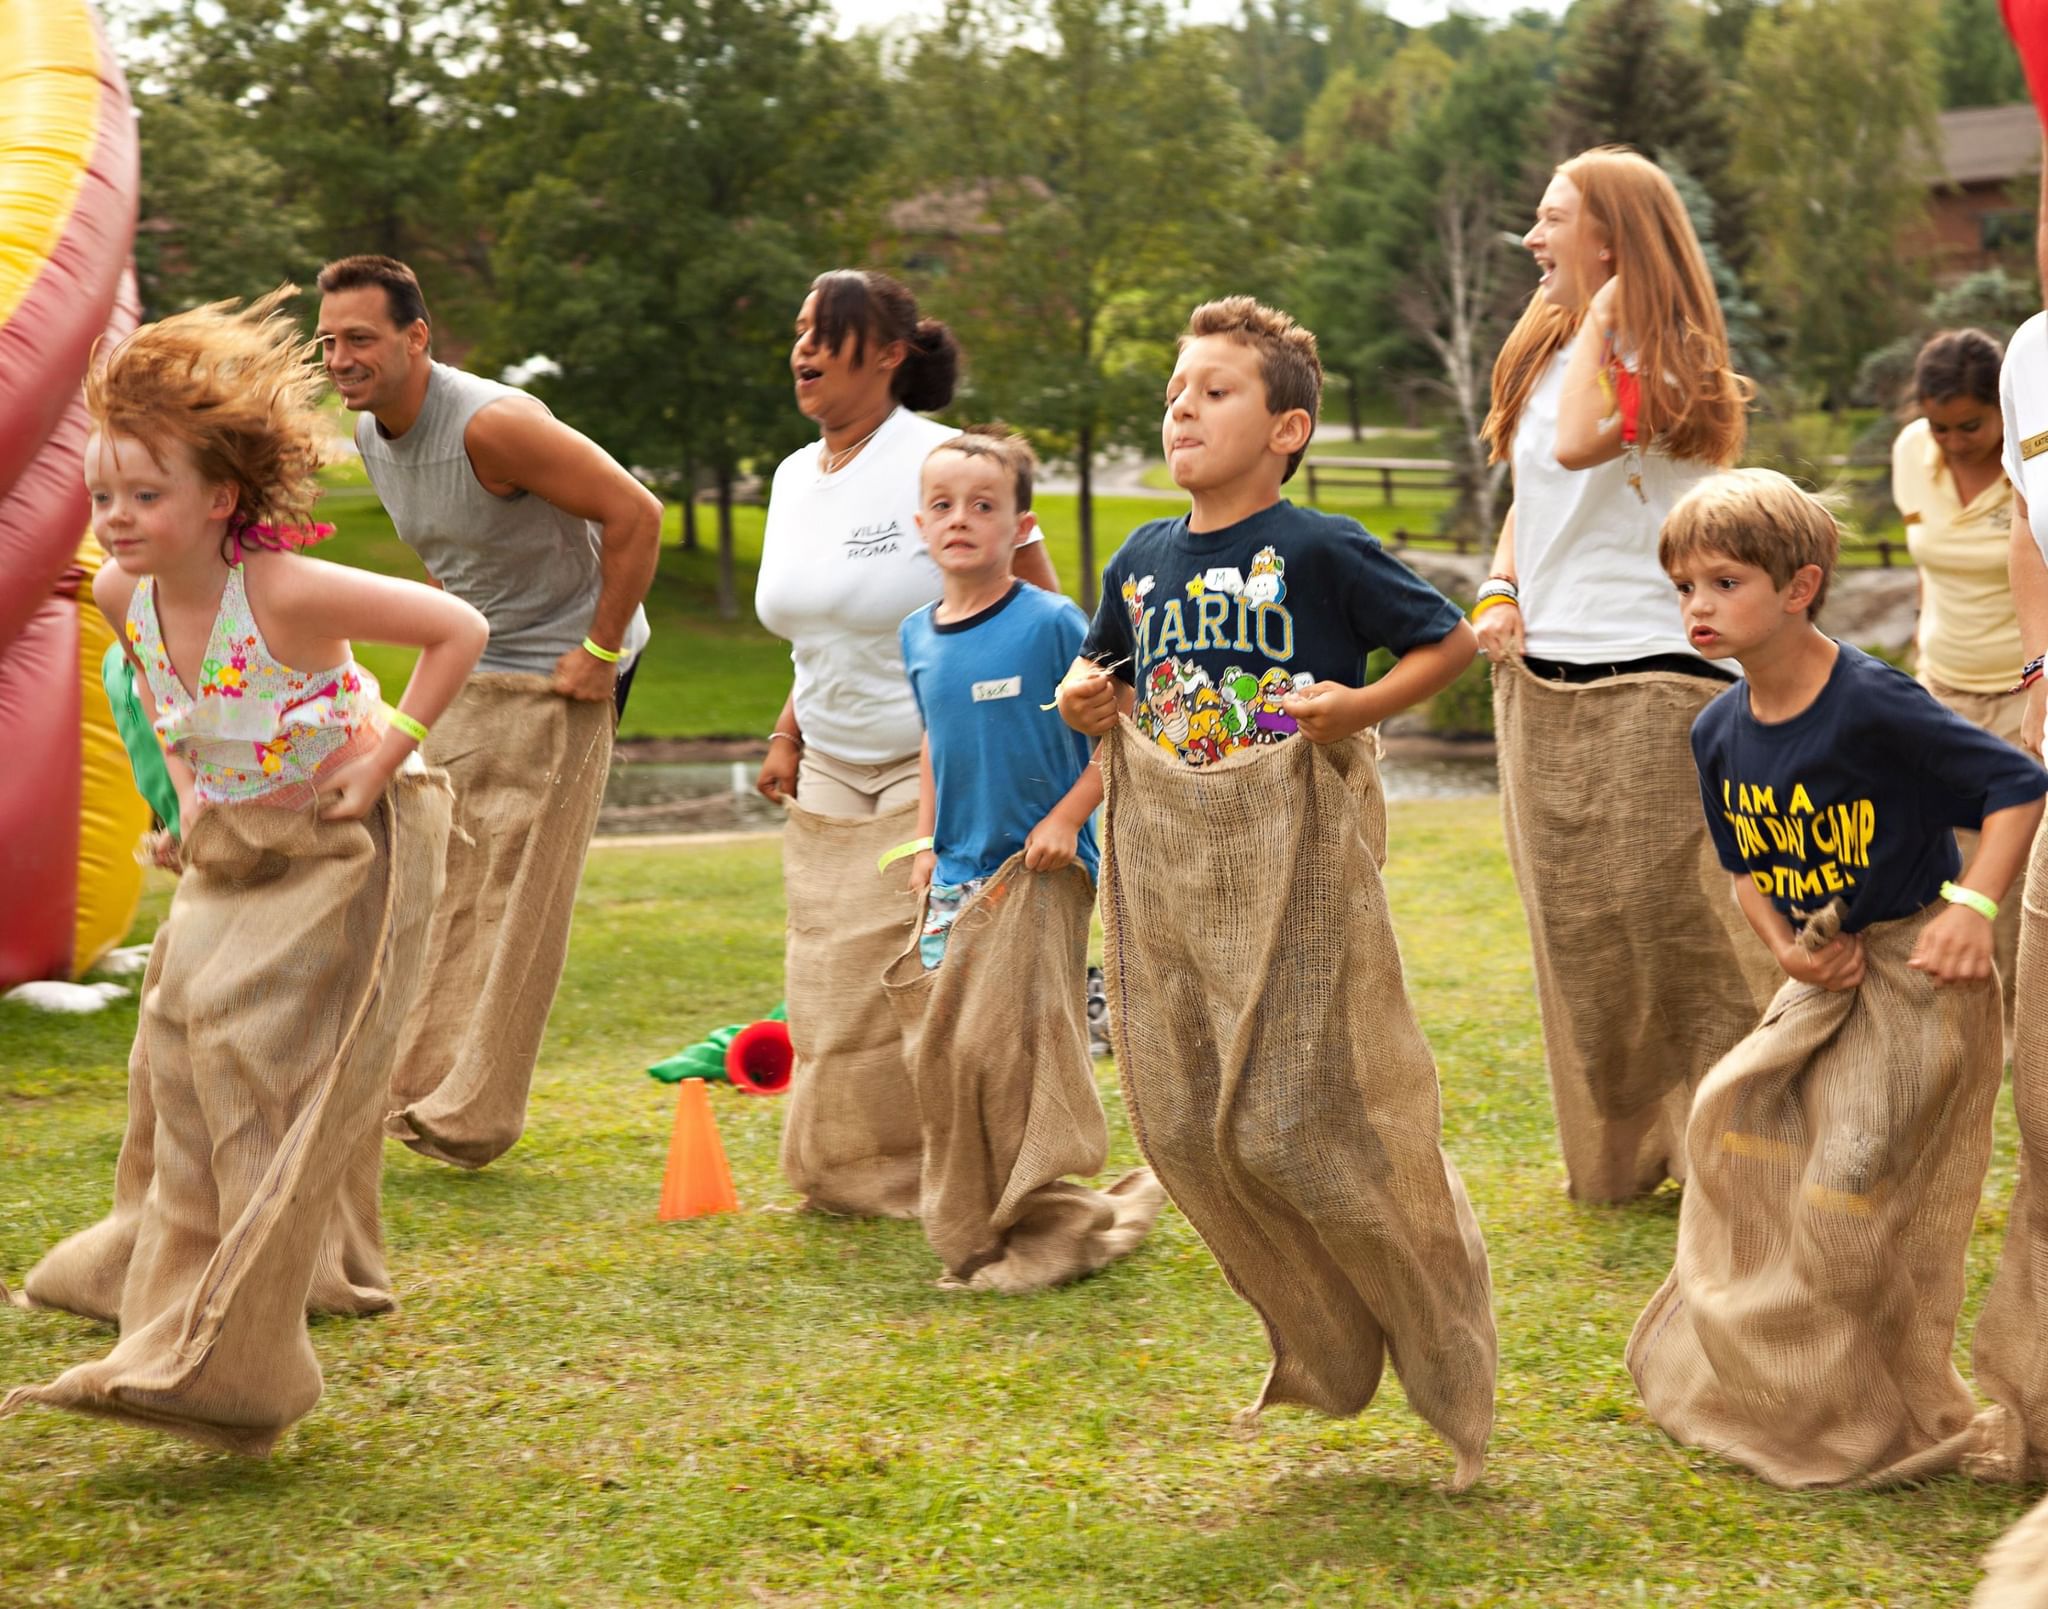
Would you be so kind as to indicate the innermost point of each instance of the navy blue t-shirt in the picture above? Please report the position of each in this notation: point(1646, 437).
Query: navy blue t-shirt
point(1214, 628)
point(999, 761)
point(1857, 795)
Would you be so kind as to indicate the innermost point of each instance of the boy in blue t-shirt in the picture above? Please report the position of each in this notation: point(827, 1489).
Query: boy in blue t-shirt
point(1001, 773)
point(1825, 773)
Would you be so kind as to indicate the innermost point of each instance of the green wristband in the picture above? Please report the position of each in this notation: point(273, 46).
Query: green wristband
point(915, 846)
point(1983, 904)
point(413, 729)
point(608, 655)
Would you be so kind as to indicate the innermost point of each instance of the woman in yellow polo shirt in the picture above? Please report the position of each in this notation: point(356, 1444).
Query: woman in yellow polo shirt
point(1951, 489)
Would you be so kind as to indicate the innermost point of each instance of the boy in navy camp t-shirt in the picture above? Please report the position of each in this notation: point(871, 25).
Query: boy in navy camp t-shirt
point(1003, 774)
point(1825, 773)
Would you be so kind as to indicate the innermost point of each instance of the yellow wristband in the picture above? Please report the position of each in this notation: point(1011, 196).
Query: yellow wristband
point(915, 846)
point(1485, 604)
point(405, 723)
point(1983, 904)
point(609, 656)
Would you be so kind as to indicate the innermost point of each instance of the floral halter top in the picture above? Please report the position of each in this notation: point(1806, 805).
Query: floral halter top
point(255, 729)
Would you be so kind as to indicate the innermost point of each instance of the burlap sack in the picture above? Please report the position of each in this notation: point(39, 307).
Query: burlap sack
point(529, 771)
point(1837, 1154)
point(2010, 1349)
point(1999, 714)
point(1646, 971)
point(2016, 1568)
point(850, 1141)
point(997, 1043)
point(1277, 1079)
point(289, 958)
point(85, 1272)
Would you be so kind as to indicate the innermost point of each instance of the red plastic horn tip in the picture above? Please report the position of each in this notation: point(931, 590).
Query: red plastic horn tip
point(759, 1058)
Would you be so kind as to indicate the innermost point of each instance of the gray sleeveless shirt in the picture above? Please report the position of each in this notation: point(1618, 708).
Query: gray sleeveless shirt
point(529, 569)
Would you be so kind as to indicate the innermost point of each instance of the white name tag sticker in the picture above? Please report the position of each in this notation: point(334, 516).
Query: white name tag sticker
point(1224, 579)
point(1008, 687)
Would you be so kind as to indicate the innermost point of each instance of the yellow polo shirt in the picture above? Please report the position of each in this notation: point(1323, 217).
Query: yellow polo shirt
point(1969, 635)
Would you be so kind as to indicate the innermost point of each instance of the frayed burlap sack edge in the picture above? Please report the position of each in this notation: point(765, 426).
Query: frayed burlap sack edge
point(529, 768)
point(1837, 1155)
point(214, 1345)
point(850, 1141)
point(996, 1039)
point(2010, 1348)
point(1277, 1079)
point(1646, 971)
point(85, 1272)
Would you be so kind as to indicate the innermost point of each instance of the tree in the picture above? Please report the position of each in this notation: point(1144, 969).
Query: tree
point(1838, 117)
point(1111, 207)
point(692, 158)
point(361, 106)
point(198, 168)
point(1631, 75)
point(1410, 275)
point(1979, 67)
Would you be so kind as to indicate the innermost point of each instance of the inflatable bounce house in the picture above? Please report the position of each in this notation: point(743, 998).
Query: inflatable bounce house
point(70, 817)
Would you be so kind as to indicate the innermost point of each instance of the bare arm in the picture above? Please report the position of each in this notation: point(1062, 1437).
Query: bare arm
point(1052, 843)
point(2029, 578)
point(777, 780)
point(1330, 711)
point(521, 447)
point(927, 860)
point(305, 596)
point(1033, 564)
point(1836, 965)
point(1956, 947)
point(1499, 629)
point(1588, 421)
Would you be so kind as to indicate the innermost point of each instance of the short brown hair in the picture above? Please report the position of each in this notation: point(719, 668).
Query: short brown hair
point(1754, 516)
point(1288, 363)
point(400, 285)
point(1005, 446)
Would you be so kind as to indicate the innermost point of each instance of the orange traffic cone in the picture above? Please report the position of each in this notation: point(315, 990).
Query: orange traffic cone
point(697, 1180)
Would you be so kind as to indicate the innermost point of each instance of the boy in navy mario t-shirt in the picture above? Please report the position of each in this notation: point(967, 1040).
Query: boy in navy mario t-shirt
point(1247, 619)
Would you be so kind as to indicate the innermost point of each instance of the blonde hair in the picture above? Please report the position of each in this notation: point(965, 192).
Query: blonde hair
point(236, 388)
point(1756, 517)
point(1288, 363)
point(1693, 402)
point(998, 441)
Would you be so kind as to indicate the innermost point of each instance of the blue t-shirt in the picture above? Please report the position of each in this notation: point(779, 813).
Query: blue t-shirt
point(999, 762)
point(1857, 795)
point(1214, 628)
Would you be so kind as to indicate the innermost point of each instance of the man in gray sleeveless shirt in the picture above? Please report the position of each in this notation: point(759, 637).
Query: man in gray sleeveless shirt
point(555, 544)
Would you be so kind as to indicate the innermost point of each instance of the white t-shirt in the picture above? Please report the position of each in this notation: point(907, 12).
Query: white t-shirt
point(2023, 399)
point(842, 565)
point(1586, 544)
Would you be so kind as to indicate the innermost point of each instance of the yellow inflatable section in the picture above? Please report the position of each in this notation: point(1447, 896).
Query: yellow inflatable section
point(111, 817)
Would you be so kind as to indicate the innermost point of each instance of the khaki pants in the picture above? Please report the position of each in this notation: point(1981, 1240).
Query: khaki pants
point(1999, 714)
point(852, 792)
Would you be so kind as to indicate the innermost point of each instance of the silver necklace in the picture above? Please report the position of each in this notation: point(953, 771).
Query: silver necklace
point(834, 461)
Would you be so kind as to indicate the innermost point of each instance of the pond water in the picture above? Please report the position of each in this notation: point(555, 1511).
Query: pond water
point(718, 795)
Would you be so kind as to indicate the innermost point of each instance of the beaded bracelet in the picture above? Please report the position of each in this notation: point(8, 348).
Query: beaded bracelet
point(1983, 904)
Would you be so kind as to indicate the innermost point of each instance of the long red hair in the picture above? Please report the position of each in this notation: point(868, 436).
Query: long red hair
point(1694, 405)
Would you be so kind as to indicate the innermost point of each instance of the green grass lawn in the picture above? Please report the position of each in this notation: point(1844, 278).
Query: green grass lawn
point(577, 1405)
